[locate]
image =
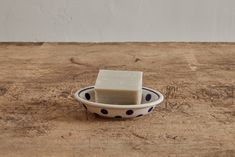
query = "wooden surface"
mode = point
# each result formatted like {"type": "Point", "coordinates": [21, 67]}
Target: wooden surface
{"type": "Point", "coordinates": [39, 116]}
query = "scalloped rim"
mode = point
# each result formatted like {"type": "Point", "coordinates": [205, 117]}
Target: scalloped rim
{"type": "Point", "coordinates": [95, 104]}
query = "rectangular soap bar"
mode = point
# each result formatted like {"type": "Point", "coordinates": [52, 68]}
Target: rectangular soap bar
{"type": "Point", "coordinates": [118, 87]}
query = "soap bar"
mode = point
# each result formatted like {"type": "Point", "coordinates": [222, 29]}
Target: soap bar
{"type": "Point", "coordinates": [118, 87]}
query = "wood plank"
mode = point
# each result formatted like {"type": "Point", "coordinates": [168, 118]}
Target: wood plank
{"type": "Point", "coordinates": [39, 116]}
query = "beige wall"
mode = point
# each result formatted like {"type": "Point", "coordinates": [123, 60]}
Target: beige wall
{"type": "Point", "coordinates": [117, 20]}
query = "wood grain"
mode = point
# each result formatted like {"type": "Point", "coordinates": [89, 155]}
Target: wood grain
{"type": "Point", "coordinates": [39, 116]}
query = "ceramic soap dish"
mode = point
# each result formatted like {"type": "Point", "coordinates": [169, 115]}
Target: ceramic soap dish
{"type": "Point", "coordinates": [150, 99]}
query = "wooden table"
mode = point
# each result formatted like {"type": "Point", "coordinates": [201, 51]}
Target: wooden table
{"type": "Point", "coordinates": [40, 117]}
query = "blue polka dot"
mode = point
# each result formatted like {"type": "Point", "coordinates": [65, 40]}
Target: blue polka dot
{"type": "Point", "coordinates": [104, 111]}
{"type": "Point", "coordinates": [150, 109]}
{"type": "Point", "coordinates": [129, 112]}
{"type": "Point", "coordinates": [148, 97]}
{"type": "Point", "coordinates": [118, 117]}
{"type": "Point", "coordinates": [87, 96]}
{"type": "Point", "coordinates": [139, 115]}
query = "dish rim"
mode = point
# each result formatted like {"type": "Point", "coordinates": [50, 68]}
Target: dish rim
{"type": "Point", "coordinates": [118, 106]}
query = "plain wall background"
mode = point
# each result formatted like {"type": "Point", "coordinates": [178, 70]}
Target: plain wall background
{"type": "Point", "coordinates": [117, 20]}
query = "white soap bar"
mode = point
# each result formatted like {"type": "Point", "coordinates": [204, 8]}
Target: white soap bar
{"type": "Point", "coordinates": [118, 87]}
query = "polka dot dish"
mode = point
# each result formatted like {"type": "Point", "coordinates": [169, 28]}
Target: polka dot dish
{"type": "Point", "coordinates": [150, 99]}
